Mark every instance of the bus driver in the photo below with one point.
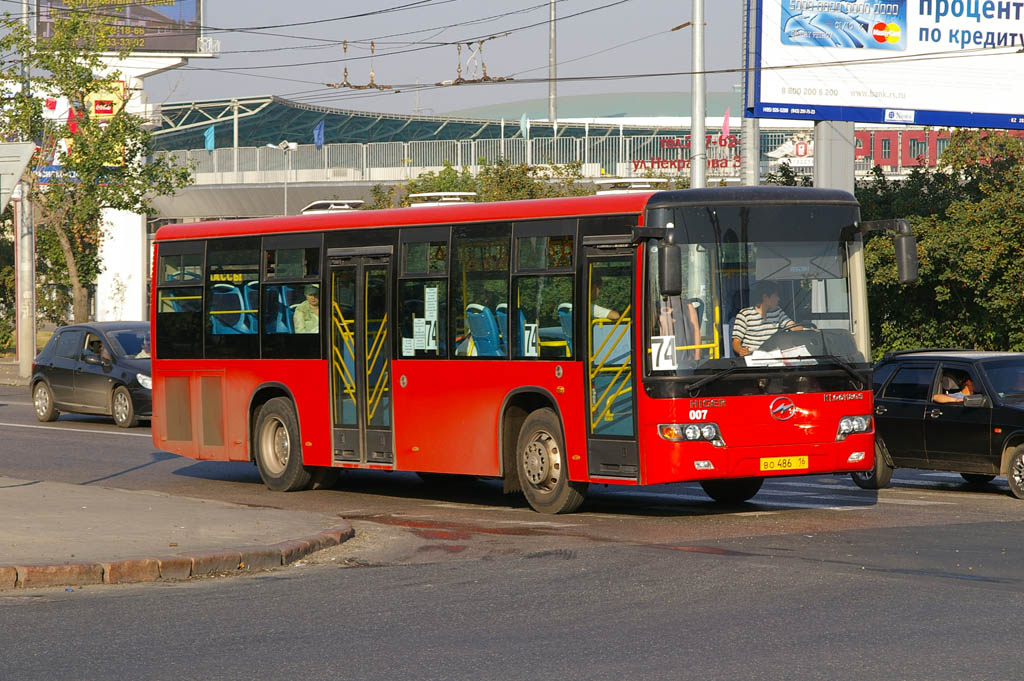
(759, 322)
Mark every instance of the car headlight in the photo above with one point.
(145, 381)
(853, 424)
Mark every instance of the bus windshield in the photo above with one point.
(763, 286)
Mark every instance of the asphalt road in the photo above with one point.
(813, 579)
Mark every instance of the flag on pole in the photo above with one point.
(208, 138)
(524, 126)
(318, 135)
(725, 123)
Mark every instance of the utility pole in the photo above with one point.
(750, 131)
(552, 69)
(698, 151)
(26, 242)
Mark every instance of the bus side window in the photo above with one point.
(423, 311)
(541, 308)
(480, 296)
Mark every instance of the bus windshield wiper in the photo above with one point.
(698, 384)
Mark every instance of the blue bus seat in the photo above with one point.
(565, 319)
(484, 329)
(501, 312)
(228, 311)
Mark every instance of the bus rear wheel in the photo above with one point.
(732, 491)
(542, 468)
(279, 448)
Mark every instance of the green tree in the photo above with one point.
(106, 163)
(971, 253)
(8, 308)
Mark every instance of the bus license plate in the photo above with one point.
(785, 463)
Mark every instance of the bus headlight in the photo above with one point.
(691, 432)
(853, 424)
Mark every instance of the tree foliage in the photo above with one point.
(105, 162)
(969, 221)
(503, 181)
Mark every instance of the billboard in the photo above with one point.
(920, 62)
(145, 26)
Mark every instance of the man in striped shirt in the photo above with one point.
(759, 322)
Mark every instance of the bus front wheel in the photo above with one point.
(541, 463)
(279, 449)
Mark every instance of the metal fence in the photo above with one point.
(610, 156)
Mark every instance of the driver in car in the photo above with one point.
(759, 322)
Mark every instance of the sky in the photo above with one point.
(415, 47)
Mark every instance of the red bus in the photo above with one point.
(548, 343)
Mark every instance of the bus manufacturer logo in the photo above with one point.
(782, 409)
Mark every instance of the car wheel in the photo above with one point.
(543, 470)
(977, 478)
(42, 400)
(732, 491)
(879, 476)
(1016, 473)
(279, 448)
(122, 409)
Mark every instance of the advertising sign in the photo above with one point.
(920, 62)
(164, 26)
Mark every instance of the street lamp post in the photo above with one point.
(698, 153)
(286, 148)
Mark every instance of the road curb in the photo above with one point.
(224, 562)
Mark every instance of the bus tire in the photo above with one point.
(880, 475)
(1015, 472)
(42, 400)
(279, 447)
(732, 491)
(542, 468)
(122, 409)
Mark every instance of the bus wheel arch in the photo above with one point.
(518, 405)
(277, 446)
(542, 465)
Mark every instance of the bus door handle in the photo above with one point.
(880, 410)
(935, 413)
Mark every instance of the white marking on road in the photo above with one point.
(915, 502)
(7, 403)
(76, 430)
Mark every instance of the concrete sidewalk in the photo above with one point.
(56, 534)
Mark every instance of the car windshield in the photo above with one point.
(131, 343)
(1007, 378)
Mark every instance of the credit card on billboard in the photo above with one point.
(827, 23)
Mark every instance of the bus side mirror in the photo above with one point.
(906, 257)
(670, 268)
(904, 242)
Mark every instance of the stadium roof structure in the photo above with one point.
(268, 120)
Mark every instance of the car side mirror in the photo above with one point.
(975, 401)
(91, 359)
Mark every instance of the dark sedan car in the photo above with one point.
(97, 368)
(949, 410)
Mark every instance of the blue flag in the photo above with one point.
(208, 136)
(318, 135)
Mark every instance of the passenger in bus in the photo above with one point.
(683, 326)
(599, 311)
(306, 316)
(759, 322)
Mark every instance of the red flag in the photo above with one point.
(72, 122)
(725, 123)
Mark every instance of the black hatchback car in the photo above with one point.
(949, 410)
(97, 368)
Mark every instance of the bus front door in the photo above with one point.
(361, 360)
(611, 424)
